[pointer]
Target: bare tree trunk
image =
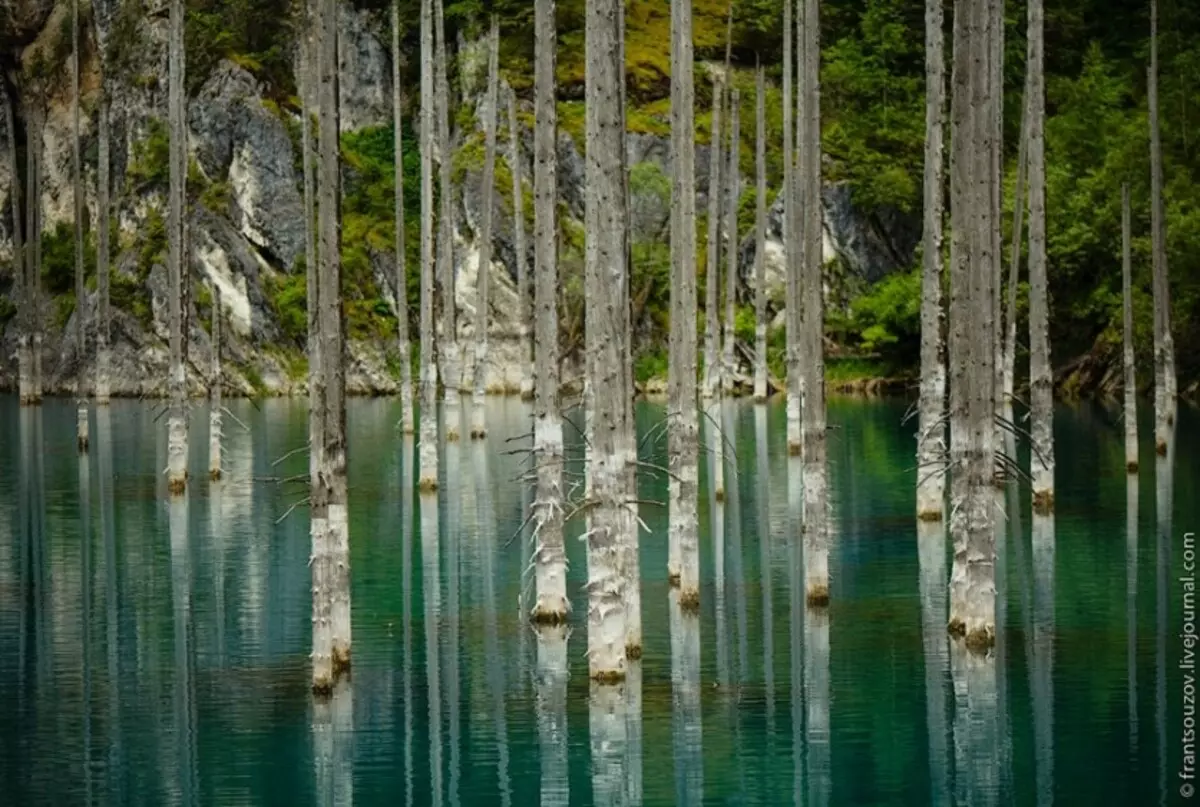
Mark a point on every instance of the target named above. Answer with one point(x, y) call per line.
point(333, 473)
point(214, 412)
point(760, 245)
point(177, 435)
point(523, 294)
point(403, 345)
point(1014, 265)
point(605, 269)
point(20, 264)
point(1041, 388)
point(791, 241)
point(103, 181)
point(429, 365)
point(1164, 345)
point(996, 200)
point(549, 554)
point(733, 188)
point(77, 194)
point(812, 378)
point(683, 428)
point(451, 354)
point(33, 235)
point(931, 438)
point(712, 373)
point(482, 280)
point(1131, 428)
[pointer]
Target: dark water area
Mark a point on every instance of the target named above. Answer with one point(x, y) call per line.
point(155, 651)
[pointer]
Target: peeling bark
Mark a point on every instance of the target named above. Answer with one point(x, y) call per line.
point(1041, 410)
point(214, 412)
point(683, 428)
point(428, 447)
point(760, 244)
point(1164, 345)
point(733, 188)
point(712, 281)
point(403, 345)
point(1130, 374)
point(482, 281)
point(549, 554)
point(931, 436)
point(523, 293)
point(177, 434)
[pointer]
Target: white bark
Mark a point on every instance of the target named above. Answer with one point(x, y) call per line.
point(403, 345)
point(733, 189)
point(523, 291)
point(429, 366)
point(550, 707)
point(608, 733)
point(77, 199)
point(683, 428)
point(1164, 345)
point(214, 412)
point(790, 243)
point(715, 444)
point(451, 354)
point(431, 588)
point(812, 377)
point(177, 436)
point(686, 718)
point(712, 372)
point(931, 550)
point(103, 182)
point(605, 268)
point(549, 554)
point(478, 417)
point(1014, 265)
point(1041, 410)
point(931, 436)
point(1130, 374)
point(760, 244)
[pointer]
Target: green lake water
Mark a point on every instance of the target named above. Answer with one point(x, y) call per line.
point(156, 653)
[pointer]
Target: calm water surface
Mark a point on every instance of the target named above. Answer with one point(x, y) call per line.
point(155, 652)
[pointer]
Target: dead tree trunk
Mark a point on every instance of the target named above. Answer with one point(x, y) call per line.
point(790, 249)
point(1041, 388)
point(482, 280)
point(1014, 261)
point(931, 437)
point(429, 364)
point(103, 180)
point(1131, 429)
point(451, 354)
point(605, 269)
point(525, 382)
point(812, 377)
point(1164, 345)
point(549, 554)
point(995, 124)
point(20, 264)
point(712, 282)
point(77, 194)
point(214, 412)
point(760, 245)
point(403, 345)
point(333, 473)
point(33, 236)
point(177, 436)
point(683, 428)
point(733, 188)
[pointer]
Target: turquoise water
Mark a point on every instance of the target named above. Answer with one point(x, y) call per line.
point(155, 653)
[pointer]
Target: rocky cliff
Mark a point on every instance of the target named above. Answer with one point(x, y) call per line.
point(245, 218)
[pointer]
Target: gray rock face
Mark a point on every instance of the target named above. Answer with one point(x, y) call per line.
point(365, 77)
point(238, 140)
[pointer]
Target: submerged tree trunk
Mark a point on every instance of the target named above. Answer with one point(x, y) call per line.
point(1131, 429)
point(1164, 345)
point(1041, 409)
point(333, 459)
point(77, 194)
point(760, 244)
point(931, 436)
point(812, 377)
point(482, 280)
point(214, 414)
point(429, 366)
point(103, 357)
point(683, 428)
point(733, 188)
point(403, 345)
point(20, 265)
point(605, 269)
point(712, 282)
point(451, 354)
point(525, 332)
point(549, 554)
point(177, 436)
